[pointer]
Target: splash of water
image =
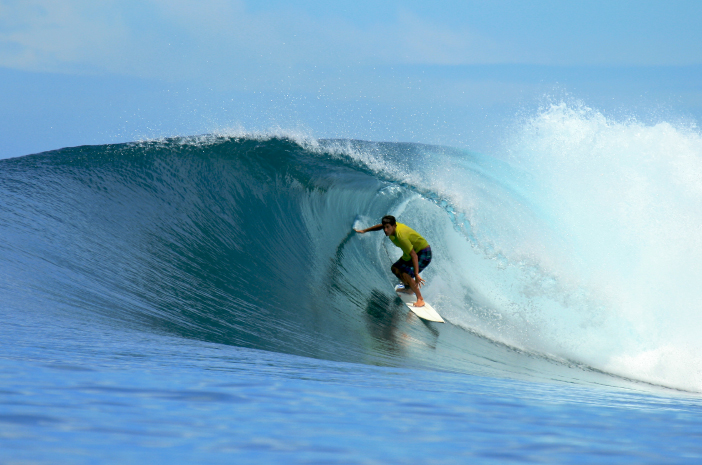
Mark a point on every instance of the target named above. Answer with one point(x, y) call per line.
point(626, 200)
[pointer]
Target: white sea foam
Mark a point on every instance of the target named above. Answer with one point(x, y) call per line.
point(626, 200)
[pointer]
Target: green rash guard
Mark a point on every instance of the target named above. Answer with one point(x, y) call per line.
point(408, 239)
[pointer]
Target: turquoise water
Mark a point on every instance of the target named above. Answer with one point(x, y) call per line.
point(204, 300)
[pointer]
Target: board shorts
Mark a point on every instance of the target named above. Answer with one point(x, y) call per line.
point(423, 259)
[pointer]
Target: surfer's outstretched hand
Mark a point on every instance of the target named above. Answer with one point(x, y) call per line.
point(420, 281)
point(358, 231)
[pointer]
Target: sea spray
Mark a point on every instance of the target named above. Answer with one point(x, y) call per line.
point(626, 200)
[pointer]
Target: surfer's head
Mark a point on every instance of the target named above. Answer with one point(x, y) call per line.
point(389, 225)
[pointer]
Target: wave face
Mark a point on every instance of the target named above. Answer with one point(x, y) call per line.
point(575, 257)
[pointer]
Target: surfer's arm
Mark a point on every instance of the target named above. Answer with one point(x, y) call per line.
point(377, 227)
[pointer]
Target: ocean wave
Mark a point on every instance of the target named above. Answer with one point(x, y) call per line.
point(245, 238)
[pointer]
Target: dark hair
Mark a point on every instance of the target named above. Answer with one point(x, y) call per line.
point(388, 219)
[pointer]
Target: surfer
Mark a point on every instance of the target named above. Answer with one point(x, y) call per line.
point(416, 253)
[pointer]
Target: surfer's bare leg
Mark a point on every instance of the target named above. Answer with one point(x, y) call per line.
point(410, 282)
point(407, 289)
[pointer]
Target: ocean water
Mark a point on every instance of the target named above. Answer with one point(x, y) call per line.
point(204, 299)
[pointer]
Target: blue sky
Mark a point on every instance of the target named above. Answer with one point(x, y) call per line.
point(76, 72)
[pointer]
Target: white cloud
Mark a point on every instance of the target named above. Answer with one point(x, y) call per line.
point(422, 42)
point(227, 42)
point(58, 36)
point(173, 39)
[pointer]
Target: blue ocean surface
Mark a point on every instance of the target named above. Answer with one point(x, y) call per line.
point(205, 300)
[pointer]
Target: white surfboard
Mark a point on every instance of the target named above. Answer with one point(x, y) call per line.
point(426, 312)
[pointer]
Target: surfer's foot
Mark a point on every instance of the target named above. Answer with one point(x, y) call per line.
point(419, 303)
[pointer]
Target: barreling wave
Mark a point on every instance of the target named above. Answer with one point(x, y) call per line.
point(247, 240)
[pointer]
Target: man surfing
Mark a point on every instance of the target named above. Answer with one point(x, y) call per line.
point(416, 253)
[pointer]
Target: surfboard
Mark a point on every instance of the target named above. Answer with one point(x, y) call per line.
point(426, 312)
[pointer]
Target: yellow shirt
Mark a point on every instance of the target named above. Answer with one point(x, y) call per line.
point(408, 239)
